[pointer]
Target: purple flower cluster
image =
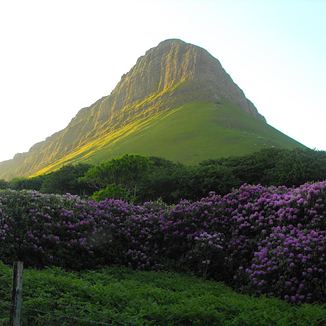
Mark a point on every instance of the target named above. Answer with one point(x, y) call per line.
point(265, 240)
point(290, 263)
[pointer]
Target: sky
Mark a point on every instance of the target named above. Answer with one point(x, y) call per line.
point(57, 57)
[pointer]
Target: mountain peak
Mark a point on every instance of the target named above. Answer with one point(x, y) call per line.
point(182, 63)
point(171, 41)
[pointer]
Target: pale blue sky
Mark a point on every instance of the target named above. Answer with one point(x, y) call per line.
point(59, 56)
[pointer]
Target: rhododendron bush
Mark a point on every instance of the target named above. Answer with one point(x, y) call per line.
point(263, 240)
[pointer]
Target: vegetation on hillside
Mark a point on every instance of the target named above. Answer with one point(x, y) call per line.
point(196, 132)
point(137, 179)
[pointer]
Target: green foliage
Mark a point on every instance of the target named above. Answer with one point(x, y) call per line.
point(67, 180)
point(277, 166)
point(299, 166)
point(113, 191)
point(215, 177)
point(125, 171)
point(120, 296)
point(172, 182)
point(4, 184)
point(27, 184)
point(165, 180)
point(138, 178)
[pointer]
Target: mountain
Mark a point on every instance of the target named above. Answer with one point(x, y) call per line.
point(177, 102)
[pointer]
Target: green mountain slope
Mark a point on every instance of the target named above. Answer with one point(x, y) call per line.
point(176, 102)
point(197, 131)
point(188, 134)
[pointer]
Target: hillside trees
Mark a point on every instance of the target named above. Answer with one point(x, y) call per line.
point(275, 166)
point(138, 179)
point(4, 184)
point(119, 177)
point(26, 183)
point(67, 180)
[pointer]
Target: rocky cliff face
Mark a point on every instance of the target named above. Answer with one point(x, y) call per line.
point(169, 75)
point(184, 70)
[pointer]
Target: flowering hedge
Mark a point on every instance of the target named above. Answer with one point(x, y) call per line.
point(264, 240)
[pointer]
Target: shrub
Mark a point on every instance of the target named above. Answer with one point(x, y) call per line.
point(264, 240)
point(291, 263)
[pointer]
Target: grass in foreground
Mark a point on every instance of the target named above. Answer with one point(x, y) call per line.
point(120, 296)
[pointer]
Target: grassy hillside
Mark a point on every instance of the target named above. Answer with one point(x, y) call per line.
point(199, 131)
point(188, 134)
point(120, 296)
